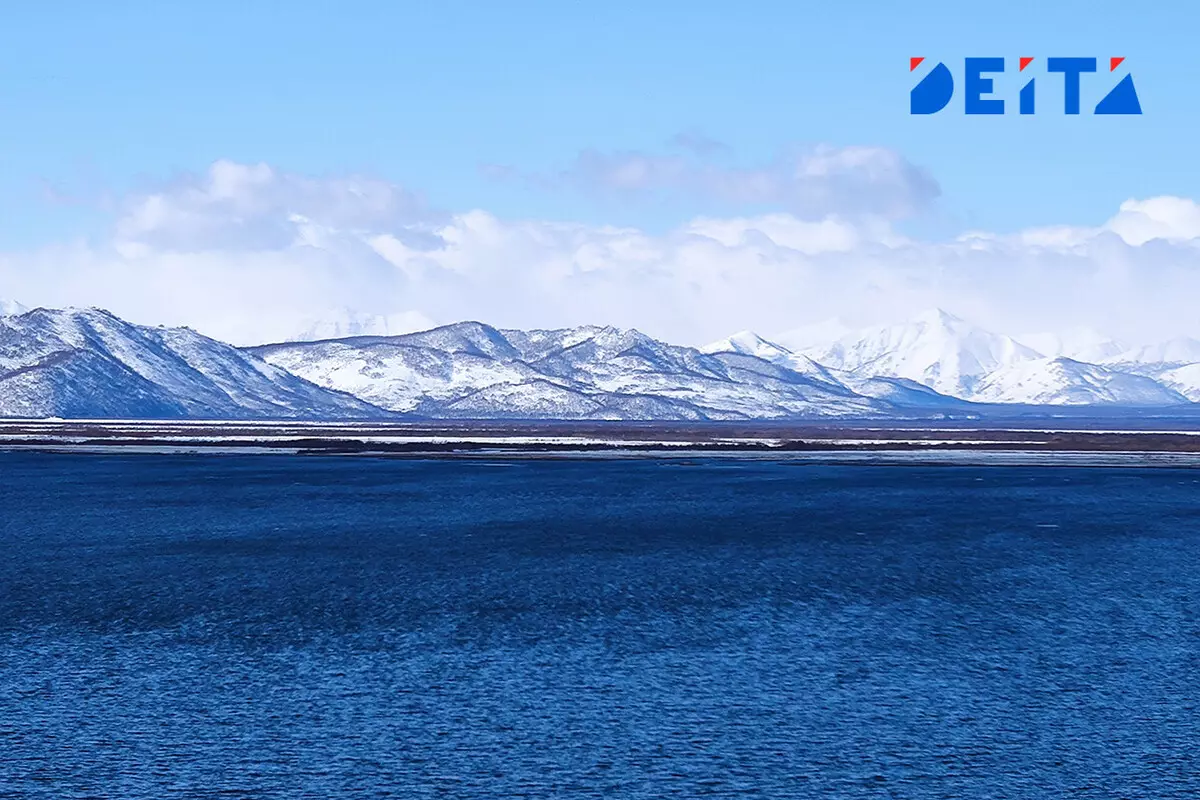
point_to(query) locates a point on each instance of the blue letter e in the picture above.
(976, 86)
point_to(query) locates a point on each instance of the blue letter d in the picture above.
(933, 92)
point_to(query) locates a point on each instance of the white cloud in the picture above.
(810, 183)
(249, 253)
(1166, 218)
(253, 206)
(1175, 219)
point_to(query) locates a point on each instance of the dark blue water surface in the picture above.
(295, 627)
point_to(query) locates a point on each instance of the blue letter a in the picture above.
(1123, 99)
(933, 92)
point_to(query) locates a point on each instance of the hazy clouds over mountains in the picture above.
(250, 253)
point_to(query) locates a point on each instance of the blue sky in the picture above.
(151, 152)
(101, 96)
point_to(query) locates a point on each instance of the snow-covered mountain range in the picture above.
(956, 358)
(471, 370)
(89, 363)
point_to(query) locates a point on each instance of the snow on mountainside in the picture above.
(11, 308)
(1180, 350)
(899, 391)
(751, 344)
(1079, 344)
(1184, 379)
(1063, 381)
(931, 364)
(473, 370)
(89, 363)
(406, 373)
(936, 349)
(906, 363)
(628, 362)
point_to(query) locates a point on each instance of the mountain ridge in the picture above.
(584, 372)
(942, 351)
(90, 363)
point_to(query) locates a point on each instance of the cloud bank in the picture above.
(249, 253)
(809, 182)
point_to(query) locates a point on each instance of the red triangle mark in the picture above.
(1115, 62)
(1025, 61)
(915, 62)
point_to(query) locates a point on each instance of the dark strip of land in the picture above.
(490, 436)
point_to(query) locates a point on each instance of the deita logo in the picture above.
(936, 88)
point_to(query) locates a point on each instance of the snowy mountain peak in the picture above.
(10, 308)
(936, 348)
(463, 337)
(607, 343)
(1080, 344)
(938, 318)
(344, 323)
(748, 343)
(612, 336)
(1177, 351)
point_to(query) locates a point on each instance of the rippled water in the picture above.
(291, 627)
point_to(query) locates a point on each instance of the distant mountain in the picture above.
(751, 344)
(86, 363)
(719, 384)
(1178, 351)
(1063, 381)
(344, 323)
(812, 336)
(11, 307)
(898, 391)
(473, 370)
(1080, 344)
(1184, 379)
(937, 349)
(938, 356)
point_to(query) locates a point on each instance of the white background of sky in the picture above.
(523, 110)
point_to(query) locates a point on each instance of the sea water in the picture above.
(302, 627)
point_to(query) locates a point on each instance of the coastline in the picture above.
(812, 442)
